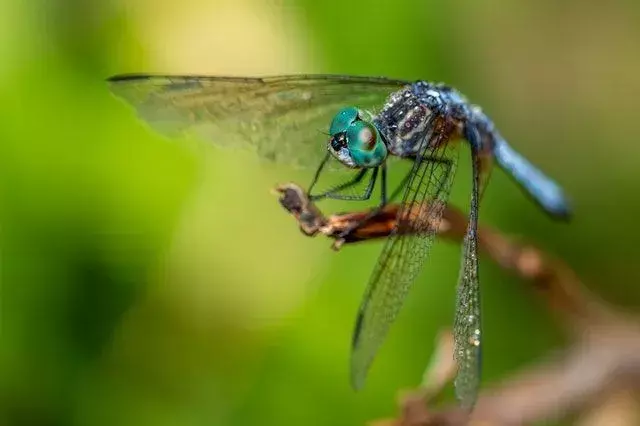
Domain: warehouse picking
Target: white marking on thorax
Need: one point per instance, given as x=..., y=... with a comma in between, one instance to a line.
x=414, y=121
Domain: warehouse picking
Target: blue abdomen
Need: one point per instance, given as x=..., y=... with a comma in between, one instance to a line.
x=547, y=193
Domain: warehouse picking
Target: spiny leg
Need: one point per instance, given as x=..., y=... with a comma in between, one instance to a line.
x=383, y=186
x=383, y=202
x=333, y=193
x=318, y=171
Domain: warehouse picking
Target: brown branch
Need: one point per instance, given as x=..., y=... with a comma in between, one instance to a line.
x=604, y=359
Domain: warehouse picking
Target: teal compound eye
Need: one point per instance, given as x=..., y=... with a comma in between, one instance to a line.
x=354, y=141
x=342, y=120
x=365, y=144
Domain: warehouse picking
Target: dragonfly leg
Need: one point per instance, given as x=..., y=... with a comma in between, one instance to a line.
x=383, y=185
x=400, y=187
x=318, y=170
x=447, y=163
x=334, y=194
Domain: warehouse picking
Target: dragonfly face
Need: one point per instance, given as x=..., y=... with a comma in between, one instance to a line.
x=355, y=141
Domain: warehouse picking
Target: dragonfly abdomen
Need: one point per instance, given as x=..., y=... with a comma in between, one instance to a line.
x=544, y=191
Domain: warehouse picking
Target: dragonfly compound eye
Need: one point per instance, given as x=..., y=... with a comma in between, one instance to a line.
x=365, y=144
x=367, y=137
x=356, y=141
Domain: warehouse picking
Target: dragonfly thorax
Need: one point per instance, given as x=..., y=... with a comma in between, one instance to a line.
x=355, y=140
x=406, y=121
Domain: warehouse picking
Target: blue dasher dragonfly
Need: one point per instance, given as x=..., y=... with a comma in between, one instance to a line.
x=278, y=117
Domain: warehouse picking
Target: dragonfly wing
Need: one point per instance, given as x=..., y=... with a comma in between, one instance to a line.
x=467, y=325
x=404, y=253
x=282, y=118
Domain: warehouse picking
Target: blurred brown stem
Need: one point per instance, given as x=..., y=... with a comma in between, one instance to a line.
x=604, y=359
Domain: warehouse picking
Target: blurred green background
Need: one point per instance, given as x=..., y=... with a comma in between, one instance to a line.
x=149, y=281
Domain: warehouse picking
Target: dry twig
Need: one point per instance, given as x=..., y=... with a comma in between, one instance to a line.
x=599, y=370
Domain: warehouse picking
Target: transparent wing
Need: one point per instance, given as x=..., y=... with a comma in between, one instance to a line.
x=404, y=253
x=467, y=323
x=282, y=118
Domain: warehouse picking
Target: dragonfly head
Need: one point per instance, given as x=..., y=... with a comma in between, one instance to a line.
x=355, y=140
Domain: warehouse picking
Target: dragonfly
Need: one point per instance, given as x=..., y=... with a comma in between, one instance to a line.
x=370, y=120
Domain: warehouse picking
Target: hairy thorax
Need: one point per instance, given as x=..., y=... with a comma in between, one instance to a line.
x=422, y=113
